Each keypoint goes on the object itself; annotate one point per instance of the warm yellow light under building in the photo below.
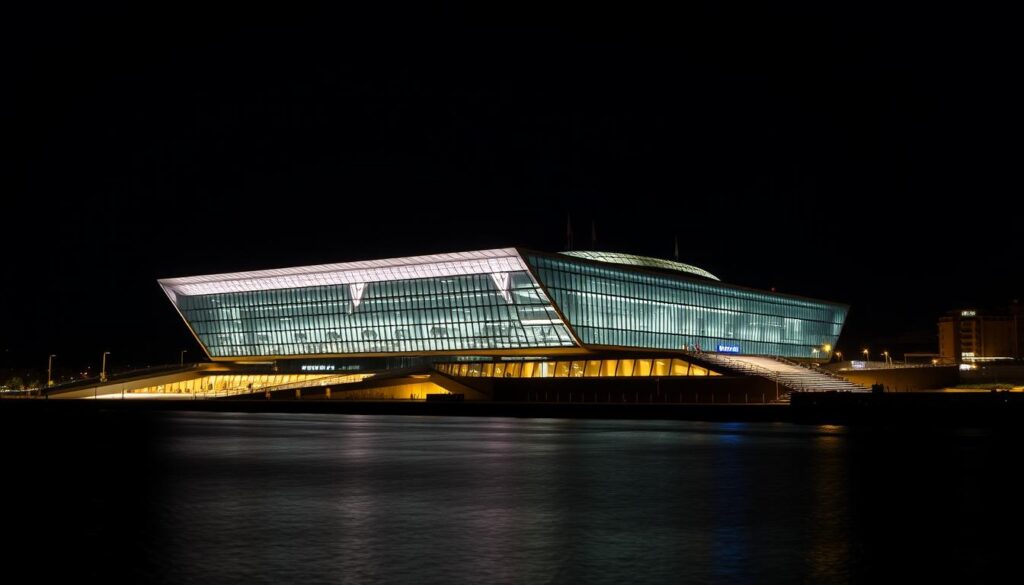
(617, 368)
(234, 384)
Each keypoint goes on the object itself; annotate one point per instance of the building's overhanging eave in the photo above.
(431, 266)
(173, 297)
(523, 352)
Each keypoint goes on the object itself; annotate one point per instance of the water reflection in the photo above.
(354, 499)
(828, 555)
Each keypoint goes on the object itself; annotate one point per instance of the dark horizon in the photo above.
(803, 148)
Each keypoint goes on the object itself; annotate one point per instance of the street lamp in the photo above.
(103, 369)
(886, 354)
(183, 352)
(865, 352)
(839, 355)
(49, 370)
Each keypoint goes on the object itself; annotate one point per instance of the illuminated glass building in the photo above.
(503, 302)
(502, 325)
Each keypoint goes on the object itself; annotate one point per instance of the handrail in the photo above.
(120, 376)
(802, 379)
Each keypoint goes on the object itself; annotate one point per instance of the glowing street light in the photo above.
(183, 352)
(887, 360)
(103, 369)
(49, 370)
(865, 352)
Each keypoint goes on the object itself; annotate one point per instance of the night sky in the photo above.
(853, 153)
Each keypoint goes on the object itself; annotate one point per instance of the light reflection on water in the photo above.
(272, 498)
(413, 500)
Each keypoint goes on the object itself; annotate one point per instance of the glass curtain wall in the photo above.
(580, 368)
(462, 312)
(621, 307)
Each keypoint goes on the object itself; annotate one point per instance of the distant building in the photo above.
(970, 335)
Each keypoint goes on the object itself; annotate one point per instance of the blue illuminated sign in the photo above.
(728, 349)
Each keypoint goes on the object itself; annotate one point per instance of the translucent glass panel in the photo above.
(577, 369)
(451, 313)
(622, 307)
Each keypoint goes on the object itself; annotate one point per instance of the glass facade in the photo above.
(579, 368)
(474, 303)
(607, 305)
(469, 312)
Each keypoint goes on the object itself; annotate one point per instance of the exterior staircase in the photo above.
(791, 376)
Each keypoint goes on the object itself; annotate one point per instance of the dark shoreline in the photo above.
(710, 412)
(931, 409)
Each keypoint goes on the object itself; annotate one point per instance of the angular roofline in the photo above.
(676, 275)
(624, 259)
(363, 271)
(426, 266)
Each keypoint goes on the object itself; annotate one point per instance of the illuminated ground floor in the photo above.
(606, 376)
(614, 377)
(578, 368)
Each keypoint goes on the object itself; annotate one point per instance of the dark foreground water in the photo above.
(289, 498)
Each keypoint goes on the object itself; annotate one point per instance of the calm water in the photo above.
(264, 498)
